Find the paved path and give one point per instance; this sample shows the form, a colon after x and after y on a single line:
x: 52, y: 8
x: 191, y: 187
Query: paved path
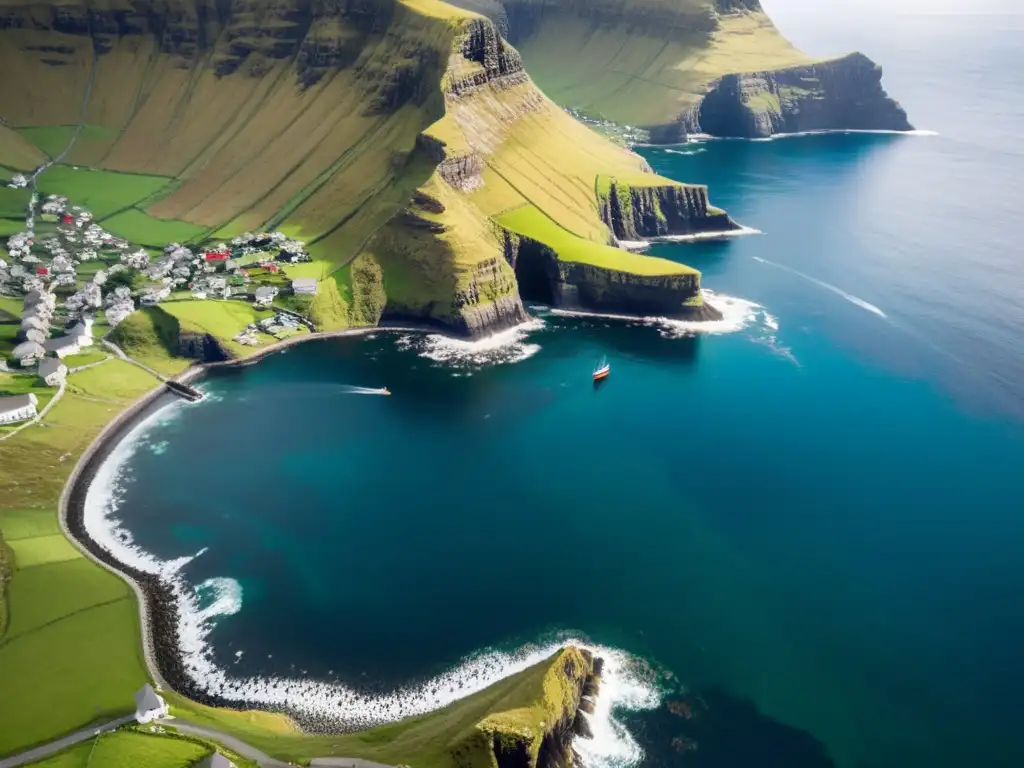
x: 228, y: 741
x: 71, y: 739
x: 344, y: 762
x: 121, y: 354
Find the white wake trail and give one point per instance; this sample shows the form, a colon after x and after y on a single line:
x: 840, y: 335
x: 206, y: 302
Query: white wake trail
x: 855, y: 300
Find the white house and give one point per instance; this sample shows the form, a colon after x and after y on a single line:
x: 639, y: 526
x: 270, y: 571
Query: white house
x: 18, y: 181
x: 28, y: 352
x: 17, y: 408
x: 62, y: 347
x: 265, y: 294
x: 82, y: 333
x: 149, y: 705
x: 53, y: 372
x: 304, y: 285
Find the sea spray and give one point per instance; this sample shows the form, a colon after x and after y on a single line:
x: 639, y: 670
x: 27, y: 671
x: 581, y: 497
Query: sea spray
x: 508, y: 346
x: 323, y: 705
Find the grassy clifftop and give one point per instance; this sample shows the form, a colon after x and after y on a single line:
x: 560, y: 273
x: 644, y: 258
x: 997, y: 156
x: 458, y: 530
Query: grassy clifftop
x: 389, y: 135
x: 652, y: 62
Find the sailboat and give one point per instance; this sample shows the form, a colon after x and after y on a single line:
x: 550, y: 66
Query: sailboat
x: 602, y: 370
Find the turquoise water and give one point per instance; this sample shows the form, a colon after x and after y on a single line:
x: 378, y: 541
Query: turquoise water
x: 813, y: 521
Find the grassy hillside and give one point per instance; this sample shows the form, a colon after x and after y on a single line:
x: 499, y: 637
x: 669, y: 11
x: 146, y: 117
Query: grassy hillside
x: 645, y: 62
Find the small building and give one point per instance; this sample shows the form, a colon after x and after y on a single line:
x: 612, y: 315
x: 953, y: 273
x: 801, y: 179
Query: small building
x: 18, y: 181
x: 62, y: 346
x: 264, y: 295
x: 82, y: 333
x: 37, y: 335
x: 17, y: 408
x: 304, y: 285
x: 28, y: 353
x: 149, y: 705
x: 53, y: 372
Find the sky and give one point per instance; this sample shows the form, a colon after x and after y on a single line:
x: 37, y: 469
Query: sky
x: 794, y: 8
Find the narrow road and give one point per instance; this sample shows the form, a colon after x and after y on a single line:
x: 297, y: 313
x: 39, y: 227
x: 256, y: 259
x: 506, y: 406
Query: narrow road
x: 34, y: 755
x: 266, y: 761
x: 121, y: 354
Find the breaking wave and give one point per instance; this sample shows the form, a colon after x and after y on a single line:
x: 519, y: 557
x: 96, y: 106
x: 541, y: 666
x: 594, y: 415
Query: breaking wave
x: 628, y: 682
x: 855, y: 300
x: 508, y: 346
x: 698, y: 138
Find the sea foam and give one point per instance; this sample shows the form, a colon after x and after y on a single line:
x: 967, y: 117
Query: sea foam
x: 628, y: 683
x: 508, y: 346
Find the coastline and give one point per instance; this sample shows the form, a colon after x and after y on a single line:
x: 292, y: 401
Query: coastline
x: 154, y: 595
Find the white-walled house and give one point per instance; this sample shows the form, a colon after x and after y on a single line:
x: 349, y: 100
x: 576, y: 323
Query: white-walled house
x: 17, y: 408
x: 53, y: 372
x: 82, y: 333
x: 28, y: 353
x: 149, y: 705
x: 62, y: 347
x: 264, y: 295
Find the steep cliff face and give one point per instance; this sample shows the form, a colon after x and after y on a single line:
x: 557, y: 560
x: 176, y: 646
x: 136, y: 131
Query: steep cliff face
x: 843, y: 93
x: 541, y: 735
x: 676, y: 65
x: 544, y: 277
x: 634, y: 212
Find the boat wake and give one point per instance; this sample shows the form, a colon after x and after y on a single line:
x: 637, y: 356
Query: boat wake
x: 508, y: 346
x: 855, y: 300
x: 349, y: 389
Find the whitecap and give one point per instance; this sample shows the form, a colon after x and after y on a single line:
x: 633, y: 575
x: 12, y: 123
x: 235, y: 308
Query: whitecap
x: 724, y: 234
x: 508, y: 346
x: 158, y: 448
x: 223, y: 596
x: 695, y: 151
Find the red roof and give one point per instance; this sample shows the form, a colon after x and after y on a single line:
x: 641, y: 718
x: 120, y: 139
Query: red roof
x: 42, y: 271
x: 68, y: 219
x: 215, y: 256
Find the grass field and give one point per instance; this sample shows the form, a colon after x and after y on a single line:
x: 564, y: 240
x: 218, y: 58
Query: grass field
x: 222, y: 319
x: 52, y: 139
x: 18, y: 153
x: 529, y: 222
x: 101, y: 192
x: 70, y: 654
x: 10, y: 227
x: 150, y: 335
x: 93, y: 355
x: 14, y: 203
x: 10, y: 307
x: 139, y: 227
x: 129, y: 749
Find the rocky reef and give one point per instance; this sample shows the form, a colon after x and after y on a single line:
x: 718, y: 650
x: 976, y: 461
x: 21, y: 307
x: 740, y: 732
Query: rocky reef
x: 543, y: 276
x: 840, y: 94
x: 634, y: 212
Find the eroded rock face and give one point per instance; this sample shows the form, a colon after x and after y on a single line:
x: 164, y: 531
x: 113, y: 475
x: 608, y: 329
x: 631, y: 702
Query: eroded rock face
x: 636, y: 213
x: 490, y: 302
x: 844, y: 93
x: 571, y: 285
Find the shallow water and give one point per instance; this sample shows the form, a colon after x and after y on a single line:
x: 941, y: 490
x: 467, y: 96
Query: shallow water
x: 810, y: 518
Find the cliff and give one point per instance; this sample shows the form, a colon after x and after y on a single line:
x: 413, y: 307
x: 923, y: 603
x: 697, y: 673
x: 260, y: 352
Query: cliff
x: 388, y: 134
x: 841, y: 94
x: 676, y: 66
x: 556, y: 271
x: 637, y: 211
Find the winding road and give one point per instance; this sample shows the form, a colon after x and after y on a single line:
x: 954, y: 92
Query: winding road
x: 229, y: 741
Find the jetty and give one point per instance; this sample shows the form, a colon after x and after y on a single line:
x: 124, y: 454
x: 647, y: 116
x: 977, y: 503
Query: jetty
x: 184, y: 391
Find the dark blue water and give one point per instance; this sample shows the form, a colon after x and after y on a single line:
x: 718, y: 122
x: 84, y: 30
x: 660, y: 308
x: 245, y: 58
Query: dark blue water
x: 816, y: 527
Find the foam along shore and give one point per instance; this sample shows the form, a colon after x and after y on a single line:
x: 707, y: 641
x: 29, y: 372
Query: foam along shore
x: 177, y: 629
x: 697, y: 138
x: 639, y: 245
x: 737, y: 314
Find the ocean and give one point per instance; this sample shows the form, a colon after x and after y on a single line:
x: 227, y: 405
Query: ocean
x: 797, y: 537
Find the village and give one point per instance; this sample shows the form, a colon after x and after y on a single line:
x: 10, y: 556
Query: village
x: 71, y: 275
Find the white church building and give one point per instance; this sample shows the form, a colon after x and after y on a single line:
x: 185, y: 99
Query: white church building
x: 149, y: 705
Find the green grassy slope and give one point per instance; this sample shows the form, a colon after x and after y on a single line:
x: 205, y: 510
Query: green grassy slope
x: 650, y: 60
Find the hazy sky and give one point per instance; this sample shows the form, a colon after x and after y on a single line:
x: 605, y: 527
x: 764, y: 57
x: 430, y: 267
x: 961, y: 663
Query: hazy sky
x: 816, y: 8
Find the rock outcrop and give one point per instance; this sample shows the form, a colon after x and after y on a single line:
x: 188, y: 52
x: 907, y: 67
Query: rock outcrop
x: 639, y: 212
x: 572, y: 285
x: 840, y: 94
